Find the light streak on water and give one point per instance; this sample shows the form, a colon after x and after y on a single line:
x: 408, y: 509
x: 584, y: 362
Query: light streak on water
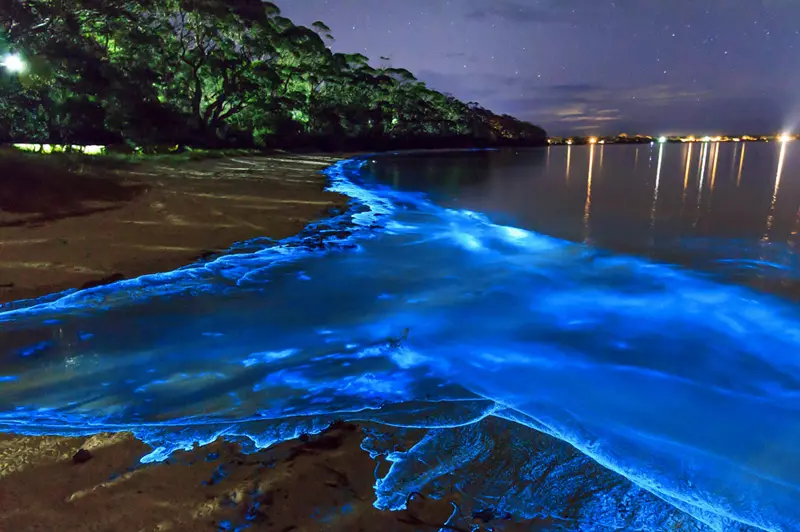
x: 701, y: 182
x: 547, y: 163
x: 569, y: 158
x: 587, y: 208
x: 686, y: 176
x: 602, y: 156
x: 741, y: 165
x: 778, y: 176
x: 714, y: 167
x: 658, y: 183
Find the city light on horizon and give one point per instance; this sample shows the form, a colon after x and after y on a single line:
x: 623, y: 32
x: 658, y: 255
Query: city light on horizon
x: 623, y: 138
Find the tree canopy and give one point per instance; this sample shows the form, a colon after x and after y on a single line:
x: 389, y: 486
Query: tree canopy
x: 215, y: 73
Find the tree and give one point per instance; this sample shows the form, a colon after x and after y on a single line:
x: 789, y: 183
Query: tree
x: 214, y: 73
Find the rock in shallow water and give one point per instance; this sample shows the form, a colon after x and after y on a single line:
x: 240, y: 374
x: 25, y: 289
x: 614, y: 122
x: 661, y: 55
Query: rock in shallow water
x: 81, y: 457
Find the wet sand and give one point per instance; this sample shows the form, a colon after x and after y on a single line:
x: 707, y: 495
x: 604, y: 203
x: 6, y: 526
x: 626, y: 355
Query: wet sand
x: 62, y: 230
x: 322, y: 483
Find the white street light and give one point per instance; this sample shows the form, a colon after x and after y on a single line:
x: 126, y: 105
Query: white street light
x: 13, y: 63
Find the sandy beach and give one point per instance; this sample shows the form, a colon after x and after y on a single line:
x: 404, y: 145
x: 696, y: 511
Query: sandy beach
x: 61, y: 231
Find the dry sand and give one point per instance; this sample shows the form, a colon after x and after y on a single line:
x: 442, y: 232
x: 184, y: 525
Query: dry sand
x: 64, y: 231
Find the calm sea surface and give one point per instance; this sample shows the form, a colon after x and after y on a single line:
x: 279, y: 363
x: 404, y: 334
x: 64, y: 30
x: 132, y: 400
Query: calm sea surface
x: 688, y: 204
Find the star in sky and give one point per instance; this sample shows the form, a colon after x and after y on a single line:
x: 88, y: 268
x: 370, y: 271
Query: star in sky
x: 590, y: 66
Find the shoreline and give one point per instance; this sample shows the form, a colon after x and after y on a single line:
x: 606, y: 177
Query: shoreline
x: 156, y: 218
x: 98, y: 480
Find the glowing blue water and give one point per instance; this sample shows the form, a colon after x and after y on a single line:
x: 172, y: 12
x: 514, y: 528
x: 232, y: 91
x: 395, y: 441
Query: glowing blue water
x: 410, y: 314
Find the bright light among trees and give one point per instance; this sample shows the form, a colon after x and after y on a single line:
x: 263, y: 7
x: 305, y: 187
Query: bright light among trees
x: 13, y: 63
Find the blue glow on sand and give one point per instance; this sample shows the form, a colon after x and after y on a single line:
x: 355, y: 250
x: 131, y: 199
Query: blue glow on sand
x: 401, y: 312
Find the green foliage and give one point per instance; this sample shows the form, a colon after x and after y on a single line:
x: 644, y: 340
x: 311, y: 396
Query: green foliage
x: 214, y: 73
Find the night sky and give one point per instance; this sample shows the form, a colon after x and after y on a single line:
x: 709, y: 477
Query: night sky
x: 590, y: 66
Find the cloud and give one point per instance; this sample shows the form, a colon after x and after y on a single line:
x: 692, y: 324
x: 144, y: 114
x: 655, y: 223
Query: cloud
x: 570, y: 108
x: 660, y: 94
x: 516, y: 11
x: 590, y: 118
x: 472, y: 86
x: 573, y: 106
x: 567, y: 109
x: 576, y: 115
x: 657, y: 109
x: 573, y: 88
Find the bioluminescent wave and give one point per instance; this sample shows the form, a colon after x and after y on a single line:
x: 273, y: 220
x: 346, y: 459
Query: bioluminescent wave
x: 686, y: 389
